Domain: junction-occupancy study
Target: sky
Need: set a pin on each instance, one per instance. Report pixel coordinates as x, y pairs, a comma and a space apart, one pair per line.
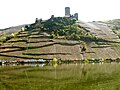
18, 12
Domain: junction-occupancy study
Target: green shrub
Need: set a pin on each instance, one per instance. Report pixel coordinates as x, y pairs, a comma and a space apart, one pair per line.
86, 61
3, 39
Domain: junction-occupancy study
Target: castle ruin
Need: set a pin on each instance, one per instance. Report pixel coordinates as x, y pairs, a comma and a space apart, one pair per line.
67, 13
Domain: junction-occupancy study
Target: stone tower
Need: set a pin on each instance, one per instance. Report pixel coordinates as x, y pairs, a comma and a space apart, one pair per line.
67, 11
76, 16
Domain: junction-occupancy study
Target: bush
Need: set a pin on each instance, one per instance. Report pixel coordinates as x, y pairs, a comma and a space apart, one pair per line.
55, 61
5, 38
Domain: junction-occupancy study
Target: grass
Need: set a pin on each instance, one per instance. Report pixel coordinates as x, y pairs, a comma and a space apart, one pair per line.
62, 77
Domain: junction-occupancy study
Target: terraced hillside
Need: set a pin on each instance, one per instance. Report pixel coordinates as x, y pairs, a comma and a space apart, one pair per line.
100, 30
39, 46
10, 30
38, 43
36, 46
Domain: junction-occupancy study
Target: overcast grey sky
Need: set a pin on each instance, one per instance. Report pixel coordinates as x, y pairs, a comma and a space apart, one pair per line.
17, 12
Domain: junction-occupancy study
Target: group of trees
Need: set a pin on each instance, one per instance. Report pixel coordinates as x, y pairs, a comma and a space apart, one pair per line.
60, 26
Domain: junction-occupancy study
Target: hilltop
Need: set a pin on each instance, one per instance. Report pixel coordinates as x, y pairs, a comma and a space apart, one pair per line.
63, 38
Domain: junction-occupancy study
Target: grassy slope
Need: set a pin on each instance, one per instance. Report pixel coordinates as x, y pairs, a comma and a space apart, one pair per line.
64, 77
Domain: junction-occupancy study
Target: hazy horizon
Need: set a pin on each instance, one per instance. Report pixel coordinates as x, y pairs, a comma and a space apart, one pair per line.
18, 12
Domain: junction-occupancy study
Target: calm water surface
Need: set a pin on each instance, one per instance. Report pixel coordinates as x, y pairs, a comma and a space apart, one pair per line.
76, 76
